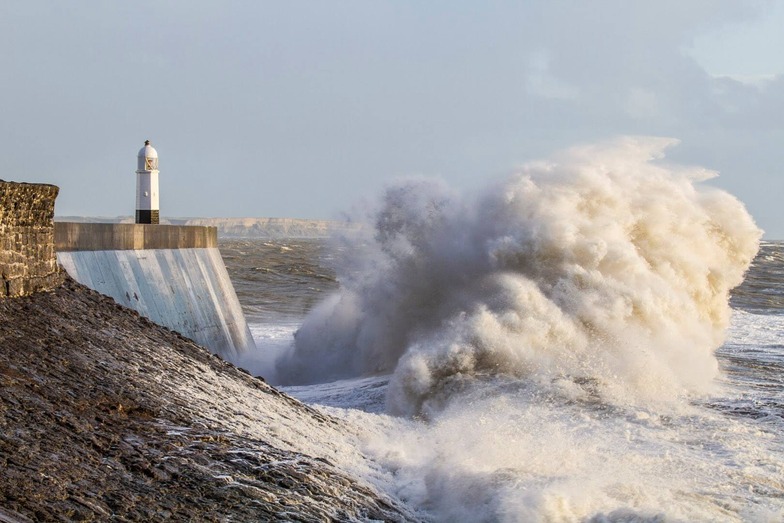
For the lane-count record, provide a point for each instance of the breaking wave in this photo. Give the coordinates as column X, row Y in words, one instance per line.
column 602, row 272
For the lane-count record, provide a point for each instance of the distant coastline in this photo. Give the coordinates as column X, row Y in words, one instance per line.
column 271, row 228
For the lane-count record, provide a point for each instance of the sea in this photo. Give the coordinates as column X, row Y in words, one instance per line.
column 598, row 338
column 720, row 460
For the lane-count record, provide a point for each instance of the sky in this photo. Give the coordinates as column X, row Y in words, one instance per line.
column 301, row 109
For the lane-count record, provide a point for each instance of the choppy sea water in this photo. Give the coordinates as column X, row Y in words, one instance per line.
column 557, row 346
column 510, row 451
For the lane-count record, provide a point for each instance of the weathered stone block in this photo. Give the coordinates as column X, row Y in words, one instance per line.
column 28, row 262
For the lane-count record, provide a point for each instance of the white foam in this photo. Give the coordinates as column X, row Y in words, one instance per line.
column 755, row 330
column 507, row 453
column 272, row 341
column 366, row 394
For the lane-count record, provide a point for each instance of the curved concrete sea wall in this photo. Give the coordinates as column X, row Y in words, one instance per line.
column 173, row 275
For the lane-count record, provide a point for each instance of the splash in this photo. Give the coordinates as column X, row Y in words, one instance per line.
column 601, row 272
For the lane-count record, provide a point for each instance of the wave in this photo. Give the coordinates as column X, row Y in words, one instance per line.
column 600, row 272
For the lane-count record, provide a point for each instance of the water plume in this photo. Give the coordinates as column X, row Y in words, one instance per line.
column 601, row 272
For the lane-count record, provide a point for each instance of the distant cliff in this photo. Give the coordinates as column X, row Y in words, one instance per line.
column 267, row 227
column 273, row 228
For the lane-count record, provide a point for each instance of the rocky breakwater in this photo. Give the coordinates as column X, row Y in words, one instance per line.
column 27, row 258
column 105, row 415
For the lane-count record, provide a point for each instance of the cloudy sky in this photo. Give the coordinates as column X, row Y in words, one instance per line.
column 300, row 109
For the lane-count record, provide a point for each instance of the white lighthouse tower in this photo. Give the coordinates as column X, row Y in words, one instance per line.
column 147, row 206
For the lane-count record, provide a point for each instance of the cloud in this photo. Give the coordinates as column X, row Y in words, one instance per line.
column 341, row 99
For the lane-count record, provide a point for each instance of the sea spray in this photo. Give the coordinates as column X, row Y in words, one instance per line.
column 538, row 338
column 602, row 270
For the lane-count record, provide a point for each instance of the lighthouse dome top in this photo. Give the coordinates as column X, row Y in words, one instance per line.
column 147, row 157
column 148, row 151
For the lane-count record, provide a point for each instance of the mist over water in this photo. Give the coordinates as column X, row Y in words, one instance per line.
column 602, row 274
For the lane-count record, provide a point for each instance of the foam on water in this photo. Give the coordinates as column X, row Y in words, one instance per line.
column 511, row 457
column 753, row 363
column 508, row 451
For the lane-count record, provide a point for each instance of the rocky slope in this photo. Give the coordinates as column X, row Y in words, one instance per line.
column 104, row 415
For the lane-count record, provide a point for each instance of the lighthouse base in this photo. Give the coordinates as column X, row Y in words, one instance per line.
column 148, row 216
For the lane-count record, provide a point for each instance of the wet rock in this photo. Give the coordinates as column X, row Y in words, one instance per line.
column 104, row 415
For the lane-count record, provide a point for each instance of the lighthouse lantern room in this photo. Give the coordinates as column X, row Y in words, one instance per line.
column 147, row 206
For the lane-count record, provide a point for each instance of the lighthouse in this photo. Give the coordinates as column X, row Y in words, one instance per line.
column 147, row 207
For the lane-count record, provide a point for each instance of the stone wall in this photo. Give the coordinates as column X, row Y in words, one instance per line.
column 28, row 262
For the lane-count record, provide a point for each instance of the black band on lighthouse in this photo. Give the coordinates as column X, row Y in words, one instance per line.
column 147, row 216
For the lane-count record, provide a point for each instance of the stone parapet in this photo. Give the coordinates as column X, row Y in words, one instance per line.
column 28, row 262
column 72, row 236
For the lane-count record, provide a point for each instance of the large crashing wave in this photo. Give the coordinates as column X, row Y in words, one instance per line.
column 599, row 269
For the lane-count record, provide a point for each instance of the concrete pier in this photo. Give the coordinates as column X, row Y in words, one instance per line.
column 173, row 275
